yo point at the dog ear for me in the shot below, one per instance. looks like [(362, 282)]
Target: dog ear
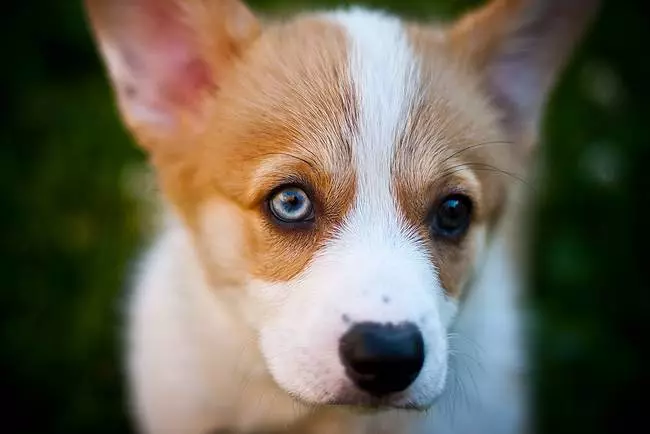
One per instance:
[(165, 57), (519, 48)]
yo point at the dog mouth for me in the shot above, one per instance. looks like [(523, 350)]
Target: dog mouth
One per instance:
[(374, 405), (364, 403)]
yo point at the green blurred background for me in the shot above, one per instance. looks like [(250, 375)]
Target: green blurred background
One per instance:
[(71, 225)]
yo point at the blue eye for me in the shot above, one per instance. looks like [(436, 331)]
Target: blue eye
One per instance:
[(291, 205)]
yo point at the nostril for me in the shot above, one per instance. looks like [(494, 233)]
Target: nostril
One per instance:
[(382, 358)]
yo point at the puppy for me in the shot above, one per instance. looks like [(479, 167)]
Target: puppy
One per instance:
[(342, 226)]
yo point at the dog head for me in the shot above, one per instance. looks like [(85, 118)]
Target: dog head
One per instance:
[(340, 172)]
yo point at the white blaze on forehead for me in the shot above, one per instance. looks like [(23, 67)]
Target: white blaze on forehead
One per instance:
[(385, 78), (384, 73)]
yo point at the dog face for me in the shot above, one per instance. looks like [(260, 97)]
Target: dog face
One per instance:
[(340, 173)]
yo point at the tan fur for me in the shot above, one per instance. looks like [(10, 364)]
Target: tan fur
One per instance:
[(453, 143), (256, 142)]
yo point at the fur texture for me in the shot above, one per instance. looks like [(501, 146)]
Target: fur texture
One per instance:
[(235, 320)]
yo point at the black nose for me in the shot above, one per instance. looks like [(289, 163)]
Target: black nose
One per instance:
[(382, 358)]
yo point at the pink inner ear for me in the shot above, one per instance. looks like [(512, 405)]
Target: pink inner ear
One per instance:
[(183, 76), (165, 60)]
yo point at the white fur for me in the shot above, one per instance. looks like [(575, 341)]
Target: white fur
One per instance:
[(487, 387), (193, 367)]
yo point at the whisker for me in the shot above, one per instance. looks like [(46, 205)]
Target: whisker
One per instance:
[(463, 350), (454, 336), (474, 384), (286, 154), (485, 168), (477, 145)]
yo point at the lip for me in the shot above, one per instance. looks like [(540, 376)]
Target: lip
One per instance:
[(372, 405), (365, 403)]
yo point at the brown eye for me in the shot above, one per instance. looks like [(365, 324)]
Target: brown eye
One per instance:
[(452, 217)]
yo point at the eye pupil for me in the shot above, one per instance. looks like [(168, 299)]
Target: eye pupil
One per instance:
[(452, 217), (291, 200)]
